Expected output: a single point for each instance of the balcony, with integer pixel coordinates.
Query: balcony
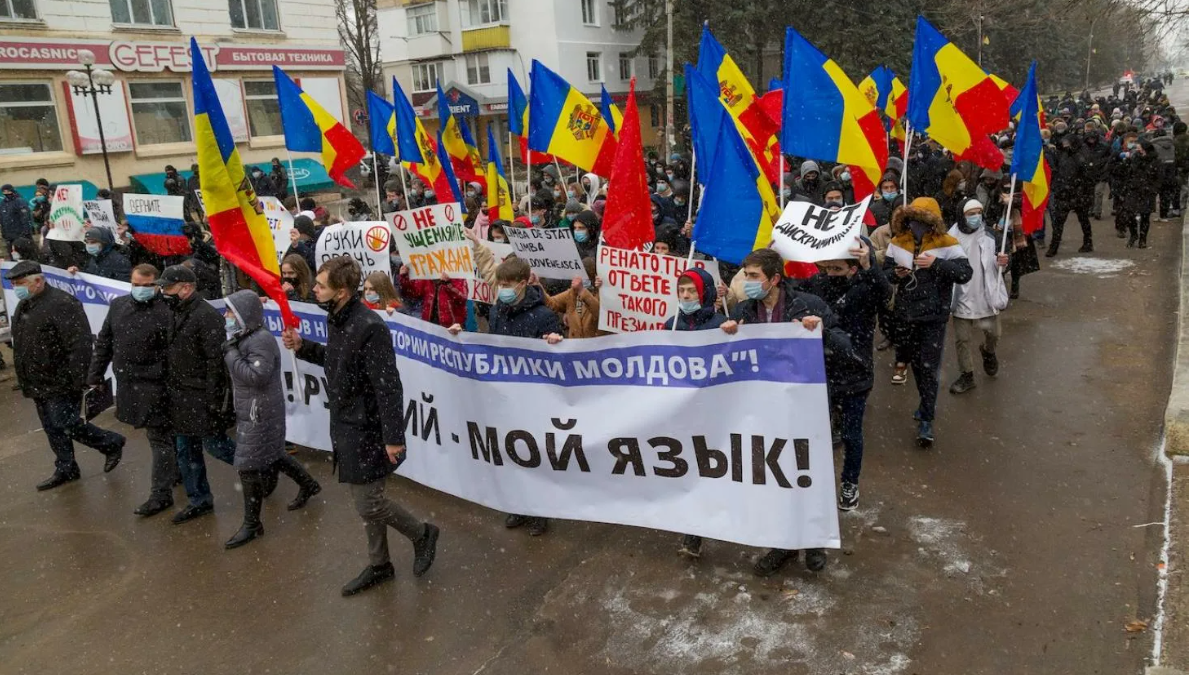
(497, 36)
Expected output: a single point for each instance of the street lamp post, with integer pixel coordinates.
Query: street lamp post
(1090, 50)
(92, 82)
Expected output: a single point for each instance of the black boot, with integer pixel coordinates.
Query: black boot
(963, 384)
(307, 485)
(371, 575)
(771, 562)
(59, 478)
(425, 550)
(691, 546)
(990, 361)
(253, 483)
(1052, 250)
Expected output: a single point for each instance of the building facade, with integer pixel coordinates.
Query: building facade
(469, 46)
(47, 129)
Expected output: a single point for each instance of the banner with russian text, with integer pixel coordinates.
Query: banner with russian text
(431, 242)
(640, 289)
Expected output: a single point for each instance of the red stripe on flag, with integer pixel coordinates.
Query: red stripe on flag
(348, 153)
(164, 244)
(982, 108)
(232, 239)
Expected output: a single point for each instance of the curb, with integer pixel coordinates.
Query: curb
(1176, 415)
(1161, 670)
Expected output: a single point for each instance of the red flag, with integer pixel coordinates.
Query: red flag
(627, 220)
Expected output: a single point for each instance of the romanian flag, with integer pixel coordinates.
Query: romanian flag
(453, 193)
(450, 137)
(415, 146)
(953, 101)
(309, 128)
(236, 218)
(1012, 94)
(518, 121)
(738, 208)
(828, 118)
(564, 123)
(499, 200)
(627, 220)
(381, 117)
(759, 129)
(480, 176)
(610, 112)
(1028, 159)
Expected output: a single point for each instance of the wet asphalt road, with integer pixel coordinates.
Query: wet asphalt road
(1011, 547)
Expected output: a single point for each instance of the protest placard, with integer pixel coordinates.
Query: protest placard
(480, 290)
(430, 242)
(551, 253)
(66, 213)
(810, 233)
(100, 213)
(366, 242)
(640, 289)
(280, 221)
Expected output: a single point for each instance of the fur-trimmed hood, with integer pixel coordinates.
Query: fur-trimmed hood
(902, 215)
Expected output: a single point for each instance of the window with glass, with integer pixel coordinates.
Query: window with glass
(264, 111)
(17, 10)
(654, 67)
(625, 66)
(478, 70)
(426, 76)
(28, 119)
(141, 12)
(620, 14)
(654, 113)
(422, 19)
(159, 113)
(590, 15)
(481, 12)
(594, 70)
(253, 14)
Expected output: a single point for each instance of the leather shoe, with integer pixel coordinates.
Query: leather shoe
(246, 533)
(114, 457)
(425, 549)
(191, 512)
(370, 576)
(153, 507)
(303, 496)
(55, 480)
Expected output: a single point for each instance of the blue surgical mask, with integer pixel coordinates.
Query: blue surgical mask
(844, 176)
(689, 306)
(536, 220)
(94, 249)
(506, 295)
(661, 186)
(16, 257)
(373, 298)
(581, 236)
(143, 293)
(891, 196)
(571, 194)
(21, 291)
(230, 324)
(754, 289)
(680, 201)
(974, 220)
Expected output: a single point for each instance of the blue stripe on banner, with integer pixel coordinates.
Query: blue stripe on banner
(89, 290)
(784, 360)
(155, 224)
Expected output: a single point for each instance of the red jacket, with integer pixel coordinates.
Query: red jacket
(451, 299)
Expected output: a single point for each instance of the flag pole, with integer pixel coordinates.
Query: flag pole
(780, 180)
(293, 179)
(511, 172)
(693, 180)
(692, 246)
(376, 174)
(557, 165)
(1011, 194)
(904, 177)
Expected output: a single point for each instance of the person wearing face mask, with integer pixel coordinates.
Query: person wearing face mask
(16, 220)
(951, 197)
(394, 197)
(922, 303)
(367, 432)
(885, 201)
(51, 343)
(578, 305)
(197, 387)
(1072, 189)
(105, 260)
(1137, 196)
(278, 178)
(379, 293)
(591, 186)
(987, 192)
(661, 214)
(303, 239)
(25, 249)
(856, 289)
(1096, 155)
(134, 341)
(841, 176)
(586, 234)
(296, 280)
(977, 303)
(253, 362)
(496, 233)
(833, 196)
(520, 311)
(808, 188)
(573, 208)
(772, 298)
(443, 301)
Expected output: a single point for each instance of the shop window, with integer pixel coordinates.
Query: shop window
(426, 76)
(254, 14)
(18, 10)
(28, 119)
(159, 113)
(264, 112)
(478, 70)
(141, 12)
(422, 19)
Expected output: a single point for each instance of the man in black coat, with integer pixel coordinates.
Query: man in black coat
(367, 432)
(16, 220)
(1096, 154)
(1072, 190)
(134, 340)
(199, 409)
(104, 258)
(51, 351)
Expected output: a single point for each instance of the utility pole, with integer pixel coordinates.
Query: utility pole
(669, 137)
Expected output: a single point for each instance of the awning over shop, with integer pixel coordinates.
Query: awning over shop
(89, 189)
(309, 174)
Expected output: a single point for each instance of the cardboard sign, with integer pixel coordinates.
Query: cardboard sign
(66, 213)
(280, 221)
(430, 241)
(100, 213)
(810, 233)
(366, 242)
(550, 252)
(479, 290)
(640, 289)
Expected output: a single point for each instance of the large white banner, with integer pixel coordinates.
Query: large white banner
(366, 242)
(697, 432)
(66, 213)
(810, 233)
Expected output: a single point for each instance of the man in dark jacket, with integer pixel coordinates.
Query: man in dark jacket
(197, 387)
(771, 298)
(1072, 190)
(696, 296)
(193, 186)
(367, 433)
(15, 219)
(51, 343)
(134, 341)
(279, 178)
(105, 260)
(303, 239)
(1096, 155)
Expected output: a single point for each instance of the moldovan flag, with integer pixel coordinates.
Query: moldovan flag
(953, 101)
(828, 118)
(564, 123)
(499, 200)
(518, 122)
(610, 112)
(627, 220)
(381, 117)
(452, 188)
(240, 230)
(450, 137)
(309, 128)
(415, 146)
(887, 94)
(1028, 159)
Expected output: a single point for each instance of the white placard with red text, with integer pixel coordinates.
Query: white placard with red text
(640, 289)
(431, 242)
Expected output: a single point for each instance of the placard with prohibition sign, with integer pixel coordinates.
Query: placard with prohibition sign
(377, 238)
(431, 242)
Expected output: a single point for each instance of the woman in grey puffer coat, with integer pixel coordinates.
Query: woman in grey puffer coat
(253, 361)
